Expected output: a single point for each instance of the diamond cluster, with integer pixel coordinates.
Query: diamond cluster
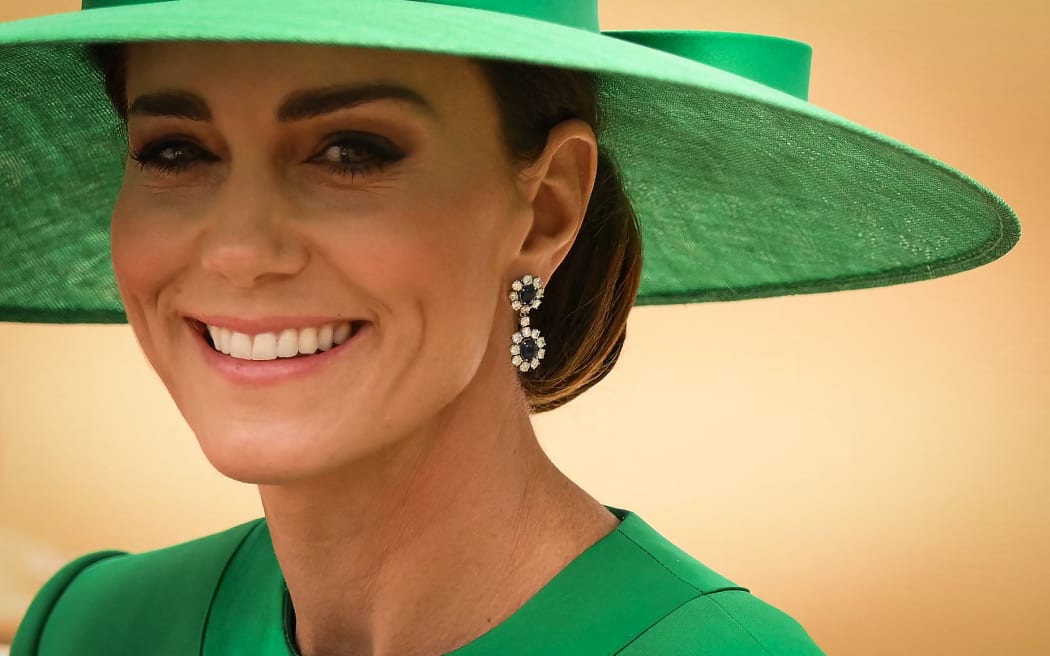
(527, 347)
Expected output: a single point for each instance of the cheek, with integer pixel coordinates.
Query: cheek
(143, 244)
(432, 270)
(438, 237)
(421, 270)
(145, 252)
(468, 247)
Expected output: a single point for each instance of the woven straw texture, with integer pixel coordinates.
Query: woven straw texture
(742, 191)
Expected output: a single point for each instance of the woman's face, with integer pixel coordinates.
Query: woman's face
(286, 194)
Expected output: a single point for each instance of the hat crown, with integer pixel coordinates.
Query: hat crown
(782, 64)
(581, 14)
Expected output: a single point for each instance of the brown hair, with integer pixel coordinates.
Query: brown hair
(586, 302)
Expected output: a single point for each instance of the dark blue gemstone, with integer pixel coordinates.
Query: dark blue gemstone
(527, 295)
(529, 349)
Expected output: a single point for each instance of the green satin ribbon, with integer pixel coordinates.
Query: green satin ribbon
(96, 4)
(782, 64)
(581, 14)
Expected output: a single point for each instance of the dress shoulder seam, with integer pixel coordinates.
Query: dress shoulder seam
(657, 621)
(661, 564)
(709, 597)
(742, 626)
(675, 574)
(222, 575)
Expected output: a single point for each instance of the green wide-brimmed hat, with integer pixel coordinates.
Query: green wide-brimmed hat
(743, 189)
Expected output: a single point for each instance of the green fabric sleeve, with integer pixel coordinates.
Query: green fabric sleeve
(727, 623)
(31, 628)
(151, 604)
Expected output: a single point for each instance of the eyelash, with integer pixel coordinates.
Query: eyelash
(380, 153)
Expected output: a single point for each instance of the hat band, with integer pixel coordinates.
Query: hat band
(581, 14)
(782, 64)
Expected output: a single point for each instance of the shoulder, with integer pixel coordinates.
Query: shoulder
(725, 623)
(106, 593)
(710, 615)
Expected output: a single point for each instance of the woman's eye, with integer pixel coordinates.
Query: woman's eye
(168, 157)
(348, 154)
(358, 153)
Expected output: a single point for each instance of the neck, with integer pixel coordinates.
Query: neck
(433, 541)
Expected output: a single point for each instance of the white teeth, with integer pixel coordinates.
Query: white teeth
(324, 337)
(264, 347)
(286, 344)
(308, 341)
(341, 333)
(241, 346)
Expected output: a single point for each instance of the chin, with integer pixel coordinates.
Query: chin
(276, 453)
(265, 465)
(256, 457)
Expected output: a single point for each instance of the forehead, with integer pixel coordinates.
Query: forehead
(267, 72)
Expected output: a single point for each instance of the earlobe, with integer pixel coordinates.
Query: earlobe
(560, 183)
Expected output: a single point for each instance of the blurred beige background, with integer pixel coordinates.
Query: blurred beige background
(873, 462)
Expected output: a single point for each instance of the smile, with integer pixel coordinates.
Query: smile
(287, 343)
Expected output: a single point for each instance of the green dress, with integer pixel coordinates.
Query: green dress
(632, 593)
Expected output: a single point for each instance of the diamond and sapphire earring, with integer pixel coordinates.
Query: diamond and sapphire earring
(527, 346)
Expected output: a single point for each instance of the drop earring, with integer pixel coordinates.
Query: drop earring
(527, 347)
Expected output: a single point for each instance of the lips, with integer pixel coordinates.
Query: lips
(271, 345)
(246, 372)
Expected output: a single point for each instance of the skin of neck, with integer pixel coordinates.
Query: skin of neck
(431, 542)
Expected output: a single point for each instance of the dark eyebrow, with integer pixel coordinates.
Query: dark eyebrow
(310, 103)
(177, 104)
(297, 106)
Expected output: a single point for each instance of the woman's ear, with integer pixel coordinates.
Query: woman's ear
(558, 187)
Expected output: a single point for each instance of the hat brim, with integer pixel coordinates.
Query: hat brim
(742, 191)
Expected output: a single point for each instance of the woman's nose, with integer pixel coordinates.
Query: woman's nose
(249, 236)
